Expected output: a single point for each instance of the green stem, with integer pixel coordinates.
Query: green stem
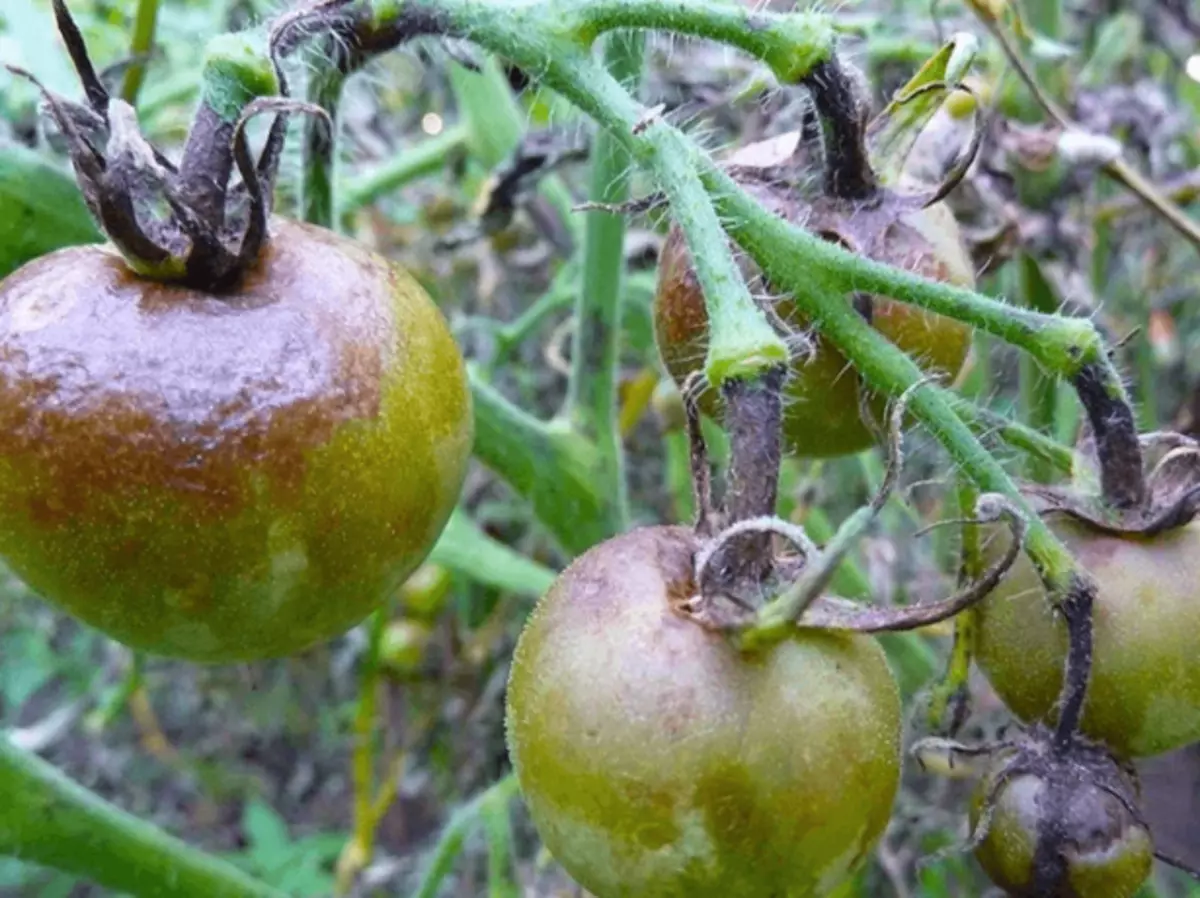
(1039, 393)
(46, 818)
(1051, 453)
(405, 167)
(1060, 344)
(819, 294)
(790, 43)
(596, 350)
(144, 25)
(317, 197)
(548, 465)
(558, 296)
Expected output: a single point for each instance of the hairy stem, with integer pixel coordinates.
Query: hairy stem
(1118, 449)
(596, 350)
(848, 172)
(1076, 608)
(887, 369)
(985, 422)
(753, 420)
(317, 196)
(46, 818)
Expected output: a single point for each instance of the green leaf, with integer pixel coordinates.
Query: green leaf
(41, 209)
(266, 832)
(892, 134)
(1118, 42)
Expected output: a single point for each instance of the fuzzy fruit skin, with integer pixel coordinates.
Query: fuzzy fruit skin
(1107, 855)
(226, 478)
(821, 416)
(1144, 695)
(658, 762)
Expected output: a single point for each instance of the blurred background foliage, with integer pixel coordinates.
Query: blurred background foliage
(376, 764)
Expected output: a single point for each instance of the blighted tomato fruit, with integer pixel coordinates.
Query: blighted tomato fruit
(853, 209)
(657, 760)
(226, 477)
(1064, 825)
(1144, 694)
(223, 436)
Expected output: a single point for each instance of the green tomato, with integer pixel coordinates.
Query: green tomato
(226, 477)
(659, 762)
(821, 411)
(1144, 695)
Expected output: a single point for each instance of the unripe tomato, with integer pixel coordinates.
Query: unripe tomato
(424, 595)
(403, 646)
(1103, 851)
(656, 760)
(233, 476)
(1144, 695)
(821, 411)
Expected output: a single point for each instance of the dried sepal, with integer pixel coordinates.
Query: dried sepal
(205, 241)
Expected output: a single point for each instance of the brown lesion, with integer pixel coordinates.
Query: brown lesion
(122, 385)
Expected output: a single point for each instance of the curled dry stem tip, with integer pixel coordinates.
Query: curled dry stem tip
(830, 613)
(964, 160)
(257, 188)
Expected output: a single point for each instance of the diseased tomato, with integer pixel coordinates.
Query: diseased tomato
(658, 761)
(1144, 695)
(1096, 847)
(233, 476)
(822, 409)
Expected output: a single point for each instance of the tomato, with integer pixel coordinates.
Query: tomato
(1144, 695)
(226, 477)
(425, 594)
(821, 396)
(403, 646)
(1102, 852)
(656, 760)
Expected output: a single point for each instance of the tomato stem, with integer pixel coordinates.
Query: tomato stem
(753, 420)
(1114, 429)
(596, 348)
(49, 819)
(842, 113)
(950, 696)
(142, 45)
(1076, 608)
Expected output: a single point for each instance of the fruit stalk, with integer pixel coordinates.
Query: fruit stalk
(49, 819)
(790, 43)
(753, 418)
(1114, 429)
(841, 111)
(1076, 608)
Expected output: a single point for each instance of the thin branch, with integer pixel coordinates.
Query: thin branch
(1118, 169)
